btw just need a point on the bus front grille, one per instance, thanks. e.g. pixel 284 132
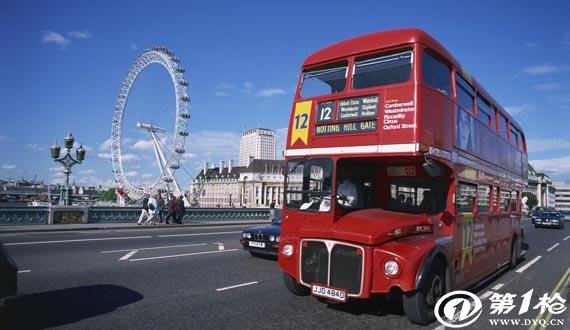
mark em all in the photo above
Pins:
pixel 344 264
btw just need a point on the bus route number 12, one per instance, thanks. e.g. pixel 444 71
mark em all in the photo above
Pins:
pixel 301 121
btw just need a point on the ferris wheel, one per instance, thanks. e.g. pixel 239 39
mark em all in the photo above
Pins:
pixel 167 157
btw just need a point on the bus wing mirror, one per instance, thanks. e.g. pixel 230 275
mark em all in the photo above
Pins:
pixel 432 168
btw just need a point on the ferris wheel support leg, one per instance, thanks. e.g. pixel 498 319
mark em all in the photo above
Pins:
pixel 162 164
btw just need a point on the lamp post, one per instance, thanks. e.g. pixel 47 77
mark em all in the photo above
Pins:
pixel 67 161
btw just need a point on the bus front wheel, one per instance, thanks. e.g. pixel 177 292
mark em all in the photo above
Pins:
pixel 292 285
pixel 419 305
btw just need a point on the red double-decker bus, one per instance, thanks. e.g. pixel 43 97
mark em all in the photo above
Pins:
pixel 403 175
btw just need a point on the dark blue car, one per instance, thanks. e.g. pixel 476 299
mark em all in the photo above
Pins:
pixel 262 240
pixel 549 218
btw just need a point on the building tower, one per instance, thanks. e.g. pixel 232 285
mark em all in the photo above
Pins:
pixel 257 143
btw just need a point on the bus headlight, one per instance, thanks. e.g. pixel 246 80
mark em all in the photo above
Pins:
pixel 391 267
pixel 287 250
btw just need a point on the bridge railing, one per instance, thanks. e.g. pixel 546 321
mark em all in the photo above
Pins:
pixel 78 214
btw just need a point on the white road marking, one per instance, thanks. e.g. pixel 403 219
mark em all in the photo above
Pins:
pixel 221 246
pixel 154 248
pixel 236 286
pixel 486 295
pixel 24 271
pixel 553 247
pixel 498 286
pixel 528 264
pixel 128 255
pixel 183 255
pixel 567 237
pixel 441 327
pixel 77 240
pixel 201 234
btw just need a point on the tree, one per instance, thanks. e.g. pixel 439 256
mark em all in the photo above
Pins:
pixel 108 195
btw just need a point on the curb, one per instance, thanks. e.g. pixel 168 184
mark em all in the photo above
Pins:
pixel 133 226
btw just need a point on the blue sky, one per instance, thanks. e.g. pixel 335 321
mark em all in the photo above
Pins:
pixel 64 61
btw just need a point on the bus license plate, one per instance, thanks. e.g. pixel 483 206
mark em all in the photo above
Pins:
pixel 257 244
pixel 333 294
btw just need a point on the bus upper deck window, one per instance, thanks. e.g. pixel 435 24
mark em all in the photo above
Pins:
pixel 382 70
pixel 323 81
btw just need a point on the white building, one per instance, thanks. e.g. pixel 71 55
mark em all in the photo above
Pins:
pixel 257 185
pixel 256 143
pixel 562 196
pixel 545 191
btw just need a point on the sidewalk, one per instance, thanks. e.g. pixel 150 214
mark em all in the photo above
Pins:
pixel 5 229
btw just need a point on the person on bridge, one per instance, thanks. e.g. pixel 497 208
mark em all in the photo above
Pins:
pixel 159 207
pixel 171 208
pixel 144 211
pixel 180 209
pixel 152 208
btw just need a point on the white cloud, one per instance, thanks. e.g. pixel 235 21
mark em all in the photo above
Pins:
pixel 270 92
pixel 221 94
pixel 215 144
pixel 33 146
pixel 536 145
pixel 106 145
pixel 127 158
pixel 133 46
pixel 148 176
pixel 79 34
pixel 519 109
pixel 248 88
pixel 5 139
pixel 530 44
pixel 104 155
pixel 547 87
pixel 143 145
pixel 561 100
pixel 225 86
pixel 8 167
pixel 87 172
pixel 223 89
pixel 131 173
pixel 557 168
pixel 56 38
pixel 541 69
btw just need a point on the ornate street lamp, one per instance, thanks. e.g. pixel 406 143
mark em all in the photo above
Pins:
pixel 67 161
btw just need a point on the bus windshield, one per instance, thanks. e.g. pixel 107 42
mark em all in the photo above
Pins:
pixel 324 81
pixel 308 184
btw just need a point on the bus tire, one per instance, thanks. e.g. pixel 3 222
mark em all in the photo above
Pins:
pixel 515 253
pixel 292 285
pixel 419 305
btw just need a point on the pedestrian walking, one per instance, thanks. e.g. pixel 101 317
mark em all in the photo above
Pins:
pixel 144 212
pixel 152 207
pixel 159 207
pixel 171 209
pixel 180 209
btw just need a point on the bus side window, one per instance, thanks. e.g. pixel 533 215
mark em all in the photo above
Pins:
pixel 505 200
pixel 436 73
pixel 465 197
pixel 484 192
pixel 514 201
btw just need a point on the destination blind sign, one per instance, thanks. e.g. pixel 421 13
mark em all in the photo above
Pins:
pixel 343 128
pixel 358 107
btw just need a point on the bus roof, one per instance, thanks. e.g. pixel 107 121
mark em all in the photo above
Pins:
pixel 393 38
